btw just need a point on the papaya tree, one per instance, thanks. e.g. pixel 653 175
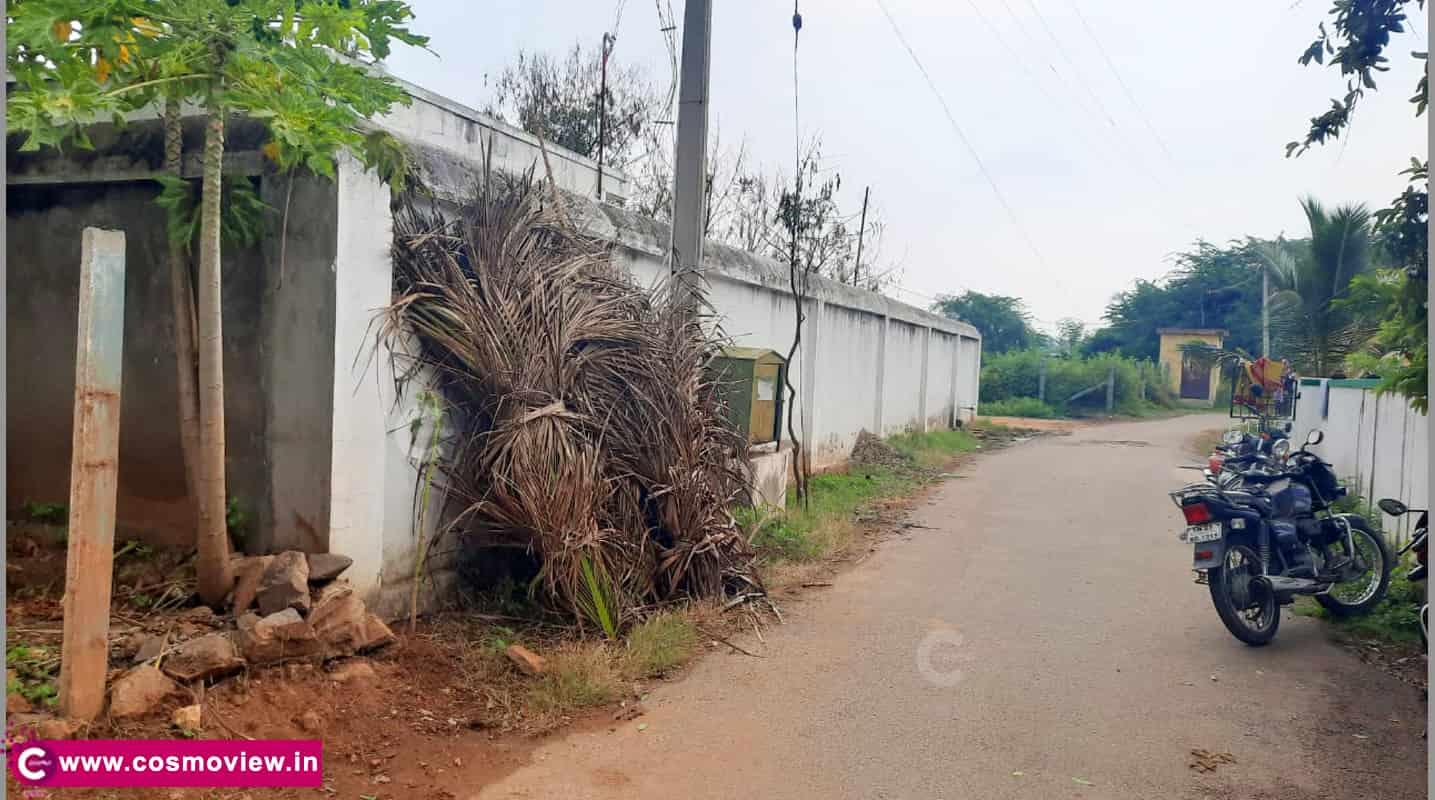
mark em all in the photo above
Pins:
pixel 301 67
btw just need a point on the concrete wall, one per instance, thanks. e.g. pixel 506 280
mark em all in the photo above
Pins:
pixel 323 446
pixel 1377 444
pixel 867 362
pixel 42 249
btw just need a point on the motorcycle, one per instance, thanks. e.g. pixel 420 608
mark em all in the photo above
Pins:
pixel 1271 534
pixel 1240 451
pixel 1419 544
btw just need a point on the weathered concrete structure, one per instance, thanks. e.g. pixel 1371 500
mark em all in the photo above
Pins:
pixel 323 454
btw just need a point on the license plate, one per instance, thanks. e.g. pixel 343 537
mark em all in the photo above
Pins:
pixel 1196 534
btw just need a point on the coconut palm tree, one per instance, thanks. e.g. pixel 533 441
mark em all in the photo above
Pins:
pixel 1310 327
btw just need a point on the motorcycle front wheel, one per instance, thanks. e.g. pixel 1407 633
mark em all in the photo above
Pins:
pixel 1361 594
pixel 1248 607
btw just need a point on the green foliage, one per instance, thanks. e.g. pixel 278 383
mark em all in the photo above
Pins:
pixel 1003 321
pixel 595 602
pixel 929 448
pixel 1395 619
pixel 35 671
pixel 52 513
pixel 1362 30
pixel 236 521
pixel 1018 407
pixel 1399 352
pixel 1314 324
pixel 1210 287
pixel 661 644
pixel 244 218
pixel 297 66
pixel 813 532
pixel 1016 375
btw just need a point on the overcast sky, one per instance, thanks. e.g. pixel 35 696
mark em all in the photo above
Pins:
pixel 1096 204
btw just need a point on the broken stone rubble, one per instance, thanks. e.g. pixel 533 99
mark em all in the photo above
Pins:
pixel 331 621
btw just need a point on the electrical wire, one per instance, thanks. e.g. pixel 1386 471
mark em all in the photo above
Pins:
pixel 1054 99
pixel 1061 51
pixel 961 135
pixel 1124 86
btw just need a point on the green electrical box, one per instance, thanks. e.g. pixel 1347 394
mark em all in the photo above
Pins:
pixel 750 382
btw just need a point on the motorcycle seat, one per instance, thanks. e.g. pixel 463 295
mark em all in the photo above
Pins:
pixel 1258 502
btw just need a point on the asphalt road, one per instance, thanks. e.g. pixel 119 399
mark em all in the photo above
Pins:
pixel 1043 639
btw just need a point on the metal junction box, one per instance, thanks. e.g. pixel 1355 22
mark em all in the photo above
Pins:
pixel 750 382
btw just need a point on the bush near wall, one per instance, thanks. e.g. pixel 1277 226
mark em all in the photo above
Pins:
pixel 1015 376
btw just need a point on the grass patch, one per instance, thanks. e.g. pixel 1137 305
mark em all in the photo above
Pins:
pixel 1019 407
pixel 579 676
pixel 660 644
pixel 827 523
pixel 1396 619
pixel 934 448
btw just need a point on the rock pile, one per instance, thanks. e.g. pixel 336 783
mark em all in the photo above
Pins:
pixel 284 607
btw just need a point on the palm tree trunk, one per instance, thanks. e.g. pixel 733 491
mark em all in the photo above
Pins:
pixel 212 566
pixel 182 296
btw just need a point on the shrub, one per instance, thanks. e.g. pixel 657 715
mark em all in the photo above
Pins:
pixel 1017 375
pixel 1018 407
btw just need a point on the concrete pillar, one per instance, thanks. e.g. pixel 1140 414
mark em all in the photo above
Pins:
pixel 881 373
pixel 926 363
pixel 94 474
pixel 956 414
pixel 363 279
pixel 811 335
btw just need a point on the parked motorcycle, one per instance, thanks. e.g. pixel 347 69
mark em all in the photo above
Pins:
pixel 1418 544
pixel 1271 534
pixel 1240 451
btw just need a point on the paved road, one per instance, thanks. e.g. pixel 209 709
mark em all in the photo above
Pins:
pixel 1065 642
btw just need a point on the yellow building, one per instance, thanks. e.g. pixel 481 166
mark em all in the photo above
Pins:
pixel 1189 381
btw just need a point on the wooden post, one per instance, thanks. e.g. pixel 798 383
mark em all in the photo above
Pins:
pixel 1110 389
pixel 89 567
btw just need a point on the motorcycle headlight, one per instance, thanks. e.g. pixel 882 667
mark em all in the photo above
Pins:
pixel 1232 437
pixel 1281 448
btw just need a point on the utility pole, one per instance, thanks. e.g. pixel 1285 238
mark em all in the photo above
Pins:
pixel 861 231
pixel 690 167
pixel 608 39
pixel 1265 311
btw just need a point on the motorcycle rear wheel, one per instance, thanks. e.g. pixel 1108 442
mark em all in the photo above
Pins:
pixel 1251 614
pixel 1361 596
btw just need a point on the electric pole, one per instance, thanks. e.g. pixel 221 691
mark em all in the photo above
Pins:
pixel 608 40
pixel 861 232
pixel 690 162
pixel 1265 311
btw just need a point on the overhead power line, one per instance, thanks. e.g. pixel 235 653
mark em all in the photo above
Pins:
pixel 1081 79
pixel 961 135
pixel 1124 87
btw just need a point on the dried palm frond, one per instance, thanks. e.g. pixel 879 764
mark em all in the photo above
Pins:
pixel 590 430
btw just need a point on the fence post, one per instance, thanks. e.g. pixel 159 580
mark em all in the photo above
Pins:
pixel 89 561
pixel 1110 389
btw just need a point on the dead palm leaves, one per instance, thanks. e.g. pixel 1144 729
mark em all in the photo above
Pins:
pixel 589 430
